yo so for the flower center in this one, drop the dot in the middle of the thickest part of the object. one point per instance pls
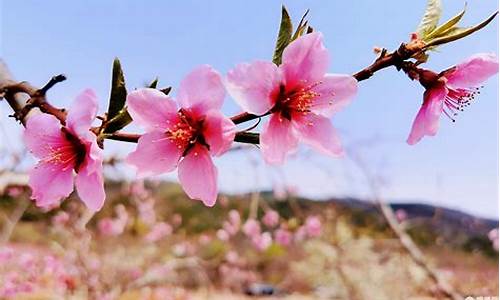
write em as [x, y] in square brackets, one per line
[298, 100]
[186, 132]
[71, 154]
[458, 99]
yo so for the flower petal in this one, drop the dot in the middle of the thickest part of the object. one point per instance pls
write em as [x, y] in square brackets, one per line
[277, 139]
[50, 183]
[82, 113]
[334, 93]
[318, 132]
[218, 132]
[94, 156]
[155, 154]
[305, 60]
[252, 85]
[473, 71]
[43, 134]
[427, 120]
[151, 108]
[201, 90]
[198, 175]
[90, 188]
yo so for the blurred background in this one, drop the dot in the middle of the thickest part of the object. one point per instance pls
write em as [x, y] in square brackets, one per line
[329, 240]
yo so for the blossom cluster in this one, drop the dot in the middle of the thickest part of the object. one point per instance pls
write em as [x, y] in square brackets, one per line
[270, 228]
[184, 133]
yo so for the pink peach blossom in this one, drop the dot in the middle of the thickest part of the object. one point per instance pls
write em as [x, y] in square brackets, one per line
[65, 149]
[299, 94]
[271, 218]
[251, 228]
[262, 241]
[283, 237]
[187, 137]
[313, 226]
[453, 89]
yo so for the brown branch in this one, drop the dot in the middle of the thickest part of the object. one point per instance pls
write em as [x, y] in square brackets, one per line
[10, 90]
[240, 137]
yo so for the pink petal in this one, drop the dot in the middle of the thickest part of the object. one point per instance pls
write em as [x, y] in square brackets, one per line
[82, 113]
[89, 180]
[318, 132]
[50, 183]
[218, 132]
[94, 156]
[155, 154]
[43, 134]
[201, 90]
[305, 60]
[335, 92]
[90, 188]
[277, 139]
[473, 71]
[151, 108]
[252, 85]
[198, 175]
[427, 119]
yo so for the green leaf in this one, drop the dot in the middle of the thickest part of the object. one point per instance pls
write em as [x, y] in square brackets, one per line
[446, 26]
[430, 19]
[284, 36]
[121, 120]
[166, 90]
[154, 83]
[456, 33]
[301, 28]
[118, 91]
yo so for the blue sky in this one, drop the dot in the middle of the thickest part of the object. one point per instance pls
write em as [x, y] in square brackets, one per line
[458, 168]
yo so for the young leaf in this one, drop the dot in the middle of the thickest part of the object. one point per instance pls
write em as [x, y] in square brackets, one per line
[301, 28]
[458, 33]
[166, 90]
[154, 83]
[446, 26]
[118, 91]
[430, 19]
[284, 36]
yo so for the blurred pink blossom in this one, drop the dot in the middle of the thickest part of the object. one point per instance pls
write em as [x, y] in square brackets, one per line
[222, 235]
[114, 226]
[251, 228]
[271, 218]
[493, 236]
[177, 220]
[401, 215]
[262, 241]
[61, 218]
[313, 226]
[158, 232]
[283, 237]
